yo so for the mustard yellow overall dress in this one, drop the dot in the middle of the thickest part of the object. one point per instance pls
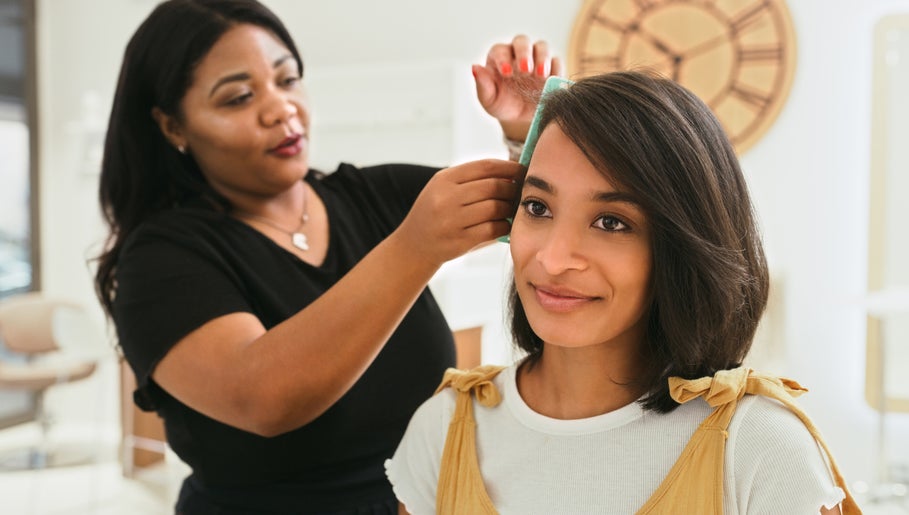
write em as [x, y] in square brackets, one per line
[693, 485]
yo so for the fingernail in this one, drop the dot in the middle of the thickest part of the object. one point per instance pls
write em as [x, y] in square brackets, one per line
[541, 70]
[505, 69]
[473, 70]
[525, 65]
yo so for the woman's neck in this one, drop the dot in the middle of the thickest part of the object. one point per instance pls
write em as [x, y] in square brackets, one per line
[573, 383]
[283, 206]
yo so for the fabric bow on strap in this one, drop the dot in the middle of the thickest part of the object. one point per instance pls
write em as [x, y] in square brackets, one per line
[477, 380]
[695, 482]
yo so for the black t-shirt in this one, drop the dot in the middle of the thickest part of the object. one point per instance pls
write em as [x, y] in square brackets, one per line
[189, 265]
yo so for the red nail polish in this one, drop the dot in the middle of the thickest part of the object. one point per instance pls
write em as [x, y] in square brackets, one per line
[541, 70]
[506, 69]
[473, 71]
[525, 65]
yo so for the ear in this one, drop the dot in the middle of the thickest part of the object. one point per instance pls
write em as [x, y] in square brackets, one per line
[170, 128]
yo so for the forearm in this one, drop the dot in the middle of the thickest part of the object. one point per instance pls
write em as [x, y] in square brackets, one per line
[308, 362]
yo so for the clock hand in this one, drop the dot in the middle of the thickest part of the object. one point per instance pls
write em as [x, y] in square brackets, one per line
[703, 47]
[658, 44]
[672, 56]
[653, 40]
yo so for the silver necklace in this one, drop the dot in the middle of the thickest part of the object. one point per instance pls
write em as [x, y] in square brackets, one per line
[297, 237]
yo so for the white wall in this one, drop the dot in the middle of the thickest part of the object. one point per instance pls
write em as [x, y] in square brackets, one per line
[809, 175]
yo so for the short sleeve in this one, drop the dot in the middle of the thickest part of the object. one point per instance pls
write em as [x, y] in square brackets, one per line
[413, 471]
[169, 282]
[776, 466]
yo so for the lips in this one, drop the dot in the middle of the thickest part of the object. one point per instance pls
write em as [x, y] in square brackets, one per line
[560, 300]
[289, 146]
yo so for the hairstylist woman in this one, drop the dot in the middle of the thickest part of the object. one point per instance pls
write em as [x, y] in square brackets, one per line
[275, 317]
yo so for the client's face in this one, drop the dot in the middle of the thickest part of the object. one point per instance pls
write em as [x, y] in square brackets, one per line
[581, 251]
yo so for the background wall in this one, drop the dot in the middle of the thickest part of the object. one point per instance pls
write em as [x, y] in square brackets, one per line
[809, 174]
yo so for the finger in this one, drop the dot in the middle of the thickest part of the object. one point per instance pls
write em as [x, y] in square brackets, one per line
[484, 212]
[541, 58]
[485, 168]
[523, 53]
[556, 67]
[484, 189]
[486, 85]
[501, 59]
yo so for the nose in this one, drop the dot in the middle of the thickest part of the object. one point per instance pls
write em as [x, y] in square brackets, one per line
[277, 109]
[562, 250]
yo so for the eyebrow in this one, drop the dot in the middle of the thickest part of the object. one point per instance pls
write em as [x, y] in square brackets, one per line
[602, 196]
[243, 75]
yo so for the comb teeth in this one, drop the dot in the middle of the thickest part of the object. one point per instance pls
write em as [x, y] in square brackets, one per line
[533, 134]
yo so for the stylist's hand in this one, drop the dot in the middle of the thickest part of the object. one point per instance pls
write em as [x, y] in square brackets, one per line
[461, 208]
[509, 86]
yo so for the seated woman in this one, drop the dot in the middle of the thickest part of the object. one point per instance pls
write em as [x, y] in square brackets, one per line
[639, 281]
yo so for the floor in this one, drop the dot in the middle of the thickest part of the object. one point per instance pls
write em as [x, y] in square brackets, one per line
[85, 477]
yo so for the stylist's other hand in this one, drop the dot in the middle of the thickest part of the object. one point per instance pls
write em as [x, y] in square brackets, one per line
[509, 86]
[461, 208]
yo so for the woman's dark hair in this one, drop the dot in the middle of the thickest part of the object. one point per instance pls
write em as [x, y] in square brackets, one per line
[141, 173]
[657, 141]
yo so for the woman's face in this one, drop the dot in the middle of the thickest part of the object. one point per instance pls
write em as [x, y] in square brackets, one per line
[246, 116]
[581, 251]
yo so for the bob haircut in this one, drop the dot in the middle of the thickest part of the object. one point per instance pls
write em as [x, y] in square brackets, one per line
[657, 141]
[141, 173]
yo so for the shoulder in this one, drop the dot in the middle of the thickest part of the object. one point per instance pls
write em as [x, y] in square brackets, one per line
[184, 224]
[168, 239]
[761, 425]
[773, 458]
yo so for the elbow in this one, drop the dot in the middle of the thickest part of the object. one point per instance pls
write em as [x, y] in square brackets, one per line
[272, 415]
[262, 422]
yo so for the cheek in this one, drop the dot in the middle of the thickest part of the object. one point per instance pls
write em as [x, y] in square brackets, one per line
[638, 270]
[521, 246]
[221, 133]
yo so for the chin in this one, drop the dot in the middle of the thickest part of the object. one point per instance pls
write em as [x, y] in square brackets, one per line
[563, 335]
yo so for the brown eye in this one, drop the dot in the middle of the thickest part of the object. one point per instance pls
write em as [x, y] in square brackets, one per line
[535, 208]
[611, 224]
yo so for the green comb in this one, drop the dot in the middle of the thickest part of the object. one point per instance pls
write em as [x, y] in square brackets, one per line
[533, 134]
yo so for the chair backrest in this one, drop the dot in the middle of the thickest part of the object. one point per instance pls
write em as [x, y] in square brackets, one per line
[27, 322]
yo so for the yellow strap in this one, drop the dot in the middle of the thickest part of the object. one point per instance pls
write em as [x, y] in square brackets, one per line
[460, 489]
[695, 482]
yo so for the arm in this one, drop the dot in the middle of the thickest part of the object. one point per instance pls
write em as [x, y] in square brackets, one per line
[508, 86]
[233, 370]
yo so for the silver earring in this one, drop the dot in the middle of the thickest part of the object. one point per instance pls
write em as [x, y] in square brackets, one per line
[181, 149]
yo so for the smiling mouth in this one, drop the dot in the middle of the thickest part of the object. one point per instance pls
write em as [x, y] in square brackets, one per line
[560, 300]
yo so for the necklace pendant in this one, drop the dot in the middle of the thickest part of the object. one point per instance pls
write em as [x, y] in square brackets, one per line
[299, 240]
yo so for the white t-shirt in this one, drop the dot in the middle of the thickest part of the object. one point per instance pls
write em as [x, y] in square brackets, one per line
[612, 463]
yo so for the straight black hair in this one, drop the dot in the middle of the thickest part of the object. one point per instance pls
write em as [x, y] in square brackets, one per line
[141, 173]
